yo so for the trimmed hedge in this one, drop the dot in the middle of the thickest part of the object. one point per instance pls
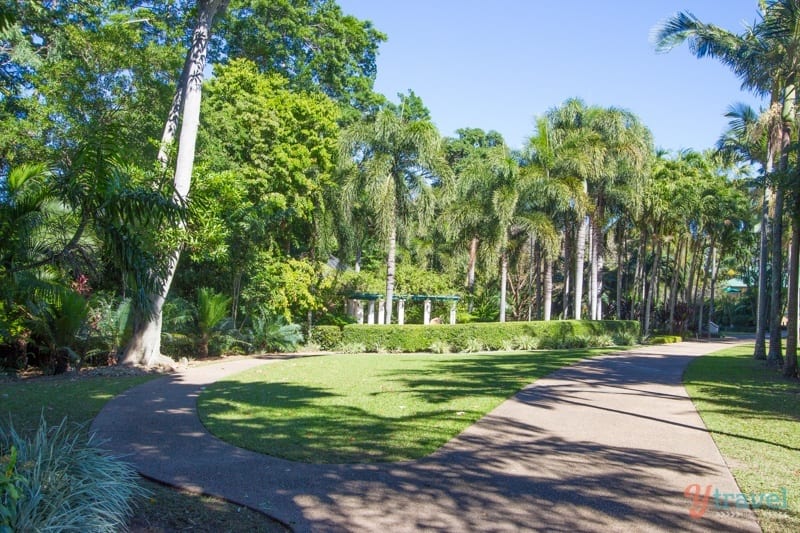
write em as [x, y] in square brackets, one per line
[664, 339]
[492, 335]
[328, 337]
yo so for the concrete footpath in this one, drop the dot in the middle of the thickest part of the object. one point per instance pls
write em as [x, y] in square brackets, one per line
[608, 444]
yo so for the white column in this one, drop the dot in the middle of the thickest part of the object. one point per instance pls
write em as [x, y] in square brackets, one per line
[426, 315]
[401, 312]
[387, 306]
[381, 312]
[453, 312]
[359, 305]
[371, 312]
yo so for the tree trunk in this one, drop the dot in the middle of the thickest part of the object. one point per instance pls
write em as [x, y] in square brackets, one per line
[530, 276]
[473, 259]
[790, 366]
[390, 267]
[567, 270]
[592, 269]
[503, 283]
[712, 315]
[673, 293]
[548, 287]
[704, 273]
[775, 356]
[580, 253]
[653, 285]
[760, 350]
[620, 263]
[145, 344]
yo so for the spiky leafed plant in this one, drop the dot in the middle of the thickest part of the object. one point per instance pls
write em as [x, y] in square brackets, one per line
[59, 480]
[212, 310]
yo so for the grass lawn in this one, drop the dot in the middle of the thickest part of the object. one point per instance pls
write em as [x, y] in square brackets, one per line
[166, 510]
[368, 408]
[754, 416]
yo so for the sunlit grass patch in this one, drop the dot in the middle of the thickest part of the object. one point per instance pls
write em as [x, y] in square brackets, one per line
[368, 408]
[754, 416]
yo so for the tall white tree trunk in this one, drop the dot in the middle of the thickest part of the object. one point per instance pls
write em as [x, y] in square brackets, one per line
[580, 254]
[592, 269]
[390, 268]
[145, 344]
[473, 259]
[503, 283]
[548, 288]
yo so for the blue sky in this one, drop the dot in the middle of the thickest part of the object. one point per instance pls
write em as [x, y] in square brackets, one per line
[498, 64]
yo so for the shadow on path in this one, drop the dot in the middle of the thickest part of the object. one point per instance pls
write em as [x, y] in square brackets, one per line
[608, 444]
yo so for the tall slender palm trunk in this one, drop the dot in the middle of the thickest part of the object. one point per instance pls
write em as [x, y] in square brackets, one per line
[473, 259]
[653, 285]
[503, 284]
[580, 256]
[775, 356]
[390, 270]
[760, 350]
[790, 366]
[548, 288]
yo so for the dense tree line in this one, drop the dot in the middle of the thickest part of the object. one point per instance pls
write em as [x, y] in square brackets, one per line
[144, 202]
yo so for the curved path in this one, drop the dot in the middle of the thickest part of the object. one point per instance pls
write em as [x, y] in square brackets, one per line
[608, 444]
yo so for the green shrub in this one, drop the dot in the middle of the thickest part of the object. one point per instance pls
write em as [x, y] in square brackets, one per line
[440, 347]
[526, 342]
[352, 347]
[327, 337]
[492, 336]
[273, 334]
[58, 480]
[625, 338]
[664, 339]
[472, 346]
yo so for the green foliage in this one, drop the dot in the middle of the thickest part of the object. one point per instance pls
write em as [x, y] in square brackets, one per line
[110, 320]
[664, 339]
[439, 347]
[285, 287]
[327, 337]
[212, 310]
[273, 334]
[418, 338]
[626, 338]
[526, 342]
[56, 479]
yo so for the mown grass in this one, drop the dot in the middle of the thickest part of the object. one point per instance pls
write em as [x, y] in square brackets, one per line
[754, 416]
[368, 408]
[166, 509]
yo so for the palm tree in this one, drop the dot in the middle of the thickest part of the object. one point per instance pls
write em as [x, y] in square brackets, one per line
[745, 141]
[766, 57]
[395, 158]
[467, 212]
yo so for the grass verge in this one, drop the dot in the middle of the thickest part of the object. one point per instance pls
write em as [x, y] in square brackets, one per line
[166, 510]
[368, 408]
[754, 416]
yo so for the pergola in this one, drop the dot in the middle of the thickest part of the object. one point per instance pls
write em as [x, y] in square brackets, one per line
[376, 306]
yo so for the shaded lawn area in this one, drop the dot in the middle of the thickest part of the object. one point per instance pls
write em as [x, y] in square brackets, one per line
[370, 407]
[80, 399]
[754, 416]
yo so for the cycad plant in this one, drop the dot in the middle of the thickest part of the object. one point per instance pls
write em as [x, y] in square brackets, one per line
[210, 317]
